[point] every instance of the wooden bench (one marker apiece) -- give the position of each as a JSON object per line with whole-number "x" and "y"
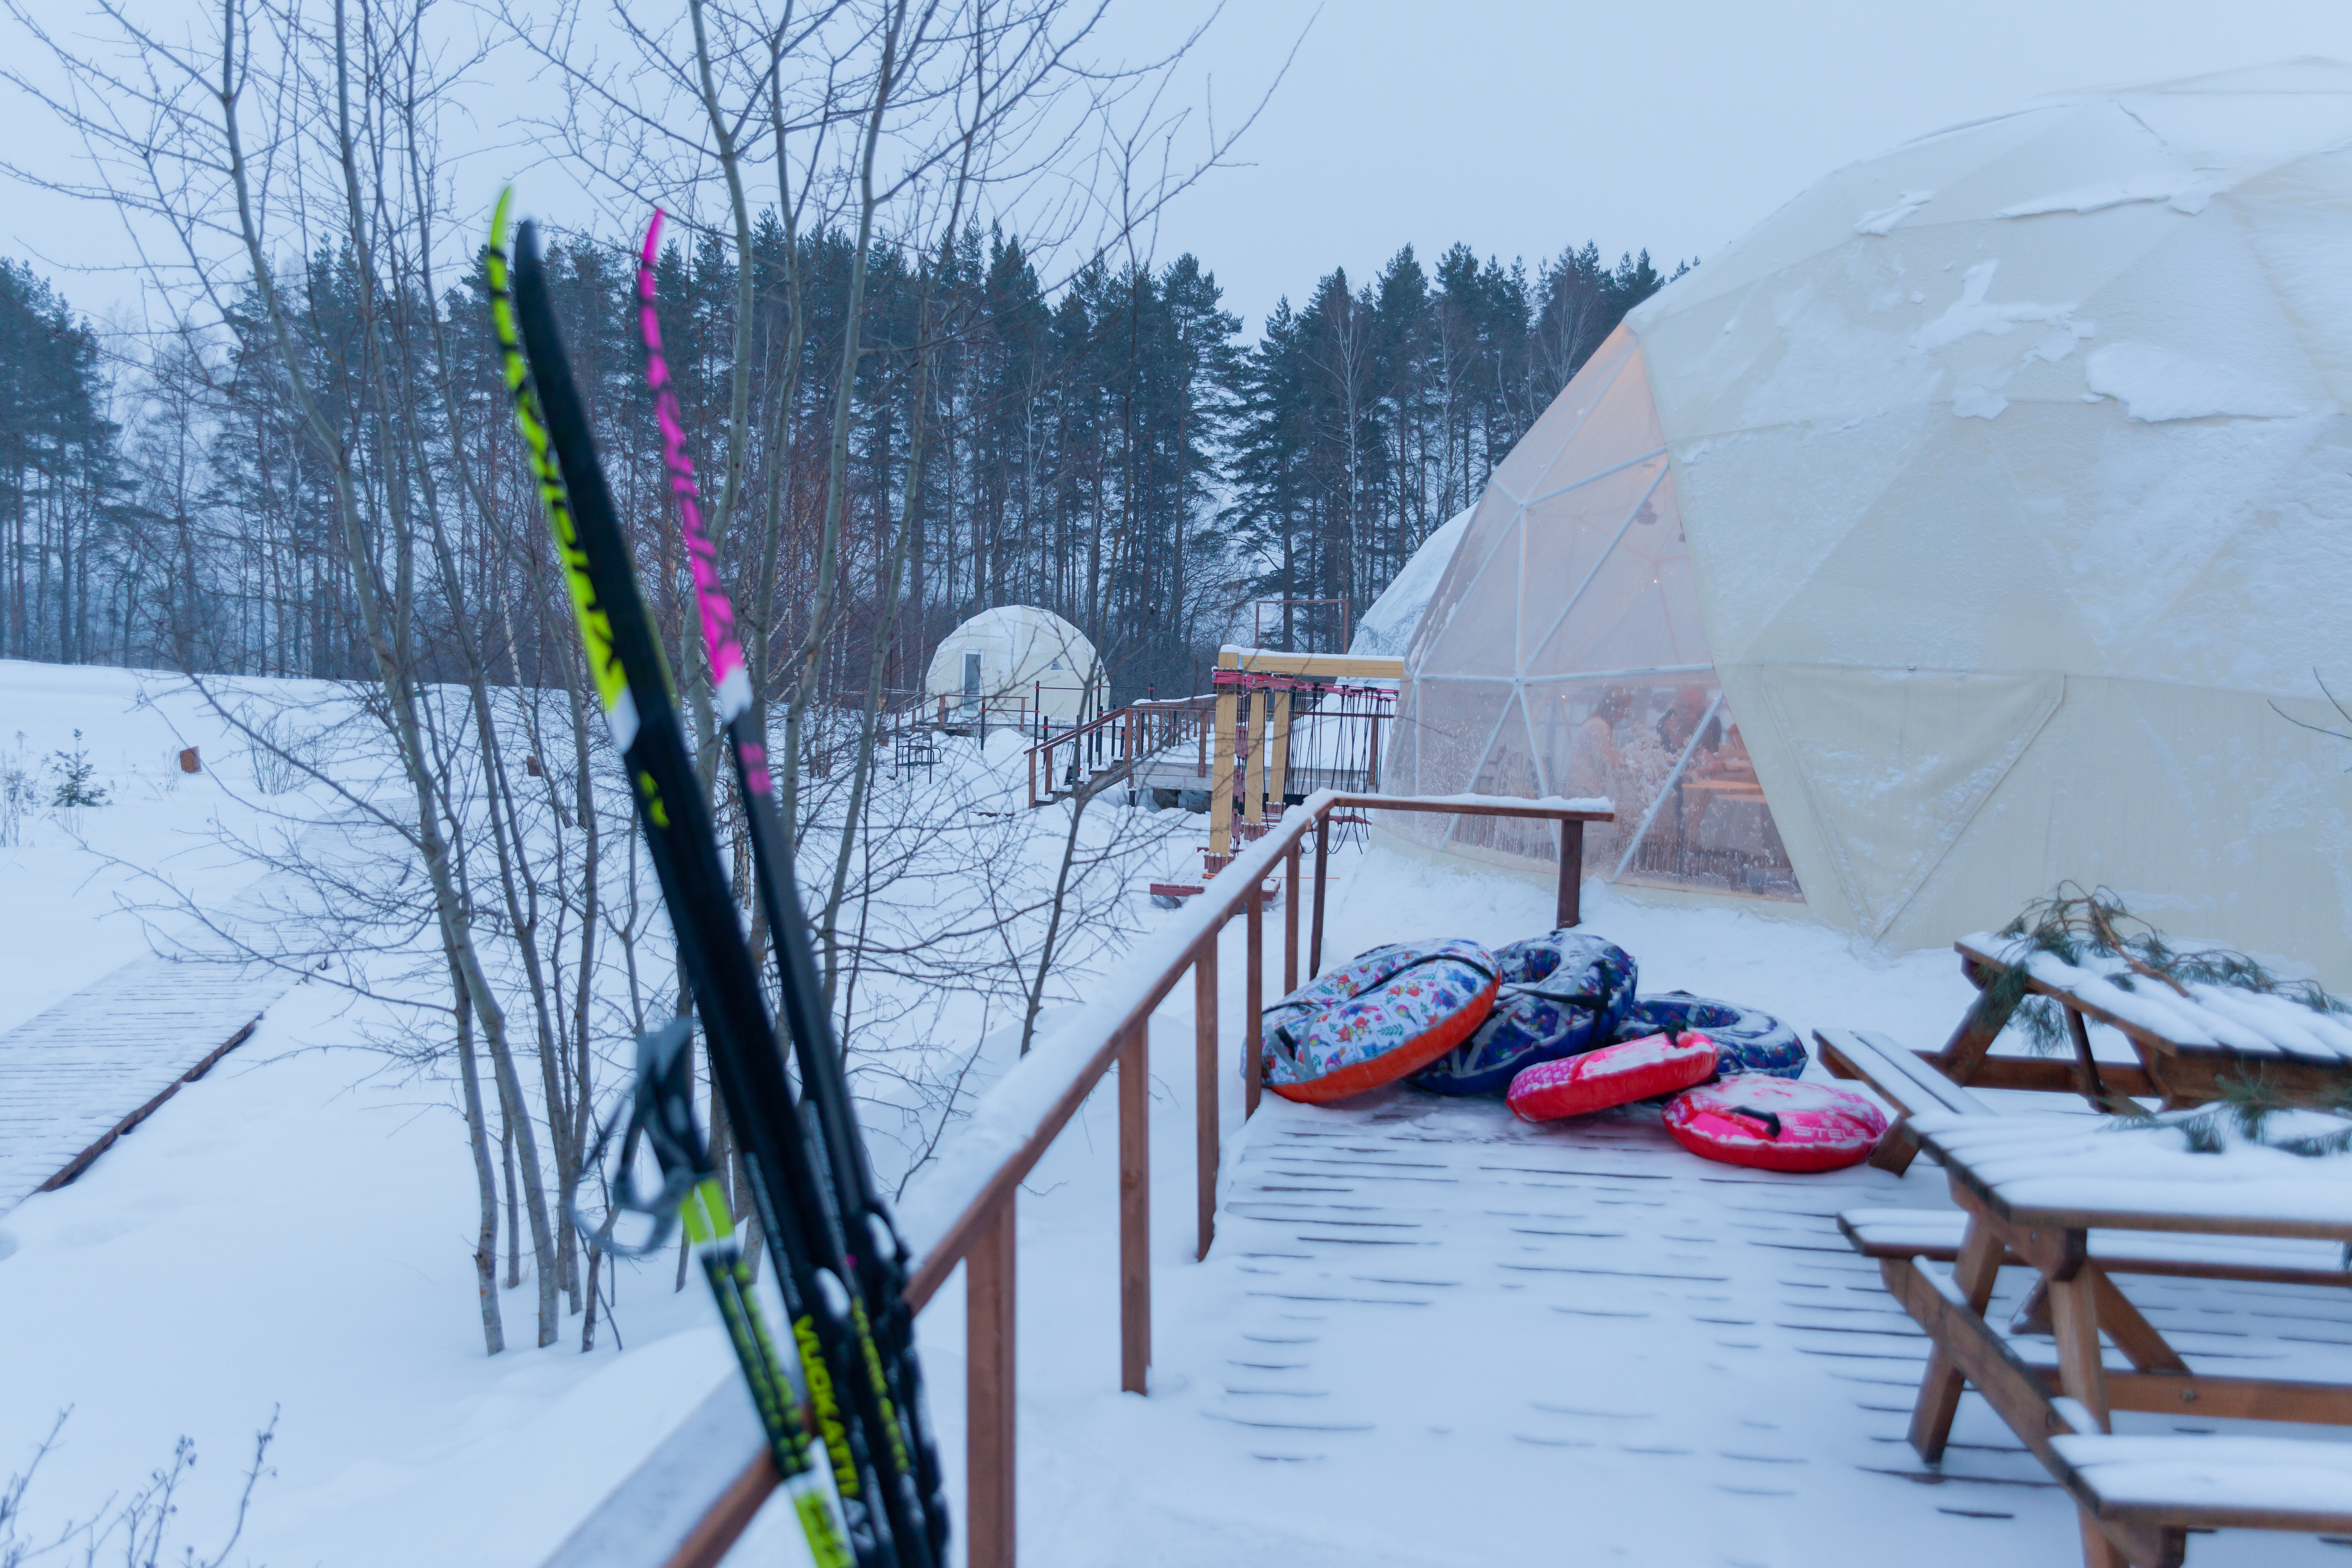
{"x": 2170, "y": 1484}
{"x": 1937, "y": 1234}
{"x": 1904, "y": 1079}
{"x": 2077, "y": 1200}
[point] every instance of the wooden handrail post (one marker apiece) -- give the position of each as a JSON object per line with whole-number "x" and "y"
{"x": 1253, "y": 995}
{"x": 1322, "y": 860}
{"x": 1571, "y": 872}
{"x": 988, "y": 1280}
{"x": 1204, "y": 1084}
{"x": 1290, "y": 919}
{"x": 1253, "y": 771}
{"x": 1226, "y": 781}
{"x": 1135, "y": 1210}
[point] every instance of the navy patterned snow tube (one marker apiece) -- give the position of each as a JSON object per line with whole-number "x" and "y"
{"x": 1744, "y": 1039}
{"x": 1560, "y": 995}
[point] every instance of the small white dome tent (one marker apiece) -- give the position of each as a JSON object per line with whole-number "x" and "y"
{"x": 1977, "y": 521}
{"x": 1013, "y": 662}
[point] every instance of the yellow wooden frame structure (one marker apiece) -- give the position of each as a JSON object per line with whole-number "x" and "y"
{"x": 1227, "y": 766}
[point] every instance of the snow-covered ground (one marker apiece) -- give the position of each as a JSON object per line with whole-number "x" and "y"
{"x": 291, "y": 1236}
{"x": 77, "y": 880}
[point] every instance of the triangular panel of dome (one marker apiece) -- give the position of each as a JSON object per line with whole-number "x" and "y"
{"x": 1639, "y": 610}
{"x": 1896, "y": 763}
{"x": 1479, "y": 636}
{"x": 1529, "y": 469}
{"x": 1443, "y": 739}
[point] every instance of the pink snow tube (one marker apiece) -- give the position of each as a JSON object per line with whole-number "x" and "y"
{"x": 1775, "y": 1124}
{"x": 1613, "y": 1074}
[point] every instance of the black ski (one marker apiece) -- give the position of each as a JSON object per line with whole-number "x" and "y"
{"x": 633, "y": 679}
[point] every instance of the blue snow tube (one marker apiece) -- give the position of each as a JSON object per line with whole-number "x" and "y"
{"x": 1560, "y": 995}
{"x": 1744, "y": 1039}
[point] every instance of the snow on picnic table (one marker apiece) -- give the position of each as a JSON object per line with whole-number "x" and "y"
{"x": 2226, "y": 1016}
{"x": 2138, "y": 1177}
{"x": 2235, "y": 1472}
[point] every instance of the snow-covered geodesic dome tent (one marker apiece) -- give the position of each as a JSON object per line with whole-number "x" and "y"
{"x": 1017, "y": 659}
{"x": 1977, "y": 521}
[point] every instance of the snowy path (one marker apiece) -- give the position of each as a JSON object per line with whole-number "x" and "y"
{"x": 1584, "y": 1334}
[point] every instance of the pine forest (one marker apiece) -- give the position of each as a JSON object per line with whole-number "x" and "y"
{"x": 1111, "y": 449}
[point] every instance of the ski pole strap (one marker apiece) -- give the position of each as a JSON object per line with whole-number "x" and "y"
{"x": 659, "y": 1110}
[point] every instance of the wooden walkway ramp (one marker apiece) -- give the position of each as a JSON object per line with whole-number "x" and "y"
{"x": 78, "y": 1076}
{"x": 82, "y": 1074}
{"x": 1450, "y": 1331}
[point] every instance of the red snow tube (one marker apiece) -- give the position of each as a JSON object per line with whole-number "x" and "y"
{"x": 1613, "y": 1074}
{"x": 1775, "y": 1124}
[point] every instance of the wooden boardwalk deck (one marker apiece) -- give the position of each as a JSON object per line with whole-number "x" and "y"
{"x": 1583, "y": 1323}
{"x": 70, "y": 1076}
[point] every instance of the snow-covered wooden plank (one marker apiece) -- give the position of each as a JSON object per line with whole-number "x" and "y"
{"x": 650, "y": 1516}
{"x": 70, "y": 1076}
{"x": 2056, "y": 1171}
{"x": 1933, "y": 1233}
{"x": 2257, "y": 1483}
{"x": 2209, "y": 1017}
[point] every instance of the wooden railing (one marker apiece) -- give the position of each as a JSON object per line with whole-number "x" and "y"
{"x": 1013, "y": 707}
{"x": 962, "y": 1210}
{"x": 1120, "y": 738}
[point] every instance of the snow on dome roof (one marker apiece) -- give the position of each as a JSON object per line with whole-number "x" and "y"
{"x": 1973, "y": 510}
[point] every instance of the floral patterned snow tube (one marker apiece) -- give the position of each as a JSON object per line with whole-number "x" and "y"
{"x": 1388, "y": 1012}
{"x": 1744, "y": 1039}
{"x": 1560, "y": 995}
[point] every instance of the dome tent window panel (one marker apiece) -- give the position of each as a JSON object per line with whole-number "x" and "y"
{"x": 1493, "y": 516}
{"x": 1544, "y": 456}
{"x": 1571, "y": 535}
{"x": 1479, "y": 638}
{"x": 1451, "y": 736}
{"x": 1639, "y": 617}
{"x": 1623, "y": 428}
{"x": 1510, "y": 766}
{"x": 1691, "y": 812}
{"x": 1637, "y": 610}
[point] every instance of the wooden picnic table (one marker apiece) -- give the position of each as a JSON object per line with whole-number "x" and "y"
{"x": 2191, "y": 1048}
{"x": 2192, "y": 1043}
{"x": 2034, "y": 1187}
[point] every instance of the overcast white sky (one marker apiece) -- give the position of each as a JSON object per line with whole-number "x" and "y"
{"x": 1676, "y": 124}
{"x": 1521, "y": 126}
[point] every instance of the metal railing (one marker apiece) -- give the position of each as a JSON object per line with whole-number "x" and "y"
{"x": 963, "y": 1210}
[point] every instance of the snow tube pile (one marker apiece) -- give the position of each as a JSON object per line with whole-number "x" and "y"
{"x": 1558, "y": 995}
{"x": 1387, "y": 1012}
{"x": 1744, "y": 1039}
{"x": 1772, "y": 1124}
{"x": 1613, "y": 1074}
